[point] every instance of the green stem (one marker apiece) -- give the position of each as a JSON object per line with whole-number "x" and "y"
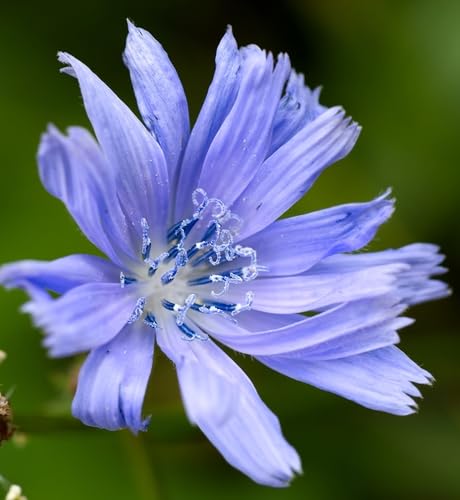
{"x": 144, "y": 477}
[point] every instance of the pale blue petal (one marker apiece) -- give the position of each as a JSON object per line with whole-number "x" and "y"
{"x": 256, "y": 321}
{"x": 83, "y": 318}
{"x": 381, "y": 379}
{"x": 290, "y": 171}
{"x": 243, "y": 141}
{"x": 113, "y": 380}
{"x": 219, "y": 100}
{"x": 59, "y": 275}
{"x": 311, "y": 291}
{"x": 293, "y": 245}
{"x": 348, "y": 329}
{"x": 138, "y": 166}
{"x": 159, "y": 93}
{"x": 74, "y": 169}
{"x": 421, "y": 261}
{"x": 222, "y": 401}
{"x": 298, "y": 106}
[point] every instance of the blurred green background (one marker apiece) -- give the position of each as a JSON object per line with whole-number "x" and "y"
{"x": 395, "y": 66}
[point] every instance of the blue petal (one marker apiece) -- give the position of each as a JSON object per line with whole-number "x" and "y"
{"x": 293, "y": 245}
{"x": 159, "y": 93}
{"x": 290, "y": 171}
{"x": 59, "y": 275}
{"x": 421, "y": 261}
{"x": 243, "y": 141}
{"x": 137, "y": 163}
{"x": 256, "y": 321}
{"x": 219, "y": 100}
{"x": 381, "y": 379}
{"x": 313, "y": 290}
{"x": 73, "y": 169}
{"x": 222, "y": 401}
{"x": 83, "y": 318}
{"x": 348, "y": 329}
{"x": 113, "y": 380}
{"x": 298, "y": 106}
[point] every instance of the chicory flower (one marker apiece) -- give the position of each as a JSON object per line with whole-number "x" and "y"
{"x": 188, "y": 220}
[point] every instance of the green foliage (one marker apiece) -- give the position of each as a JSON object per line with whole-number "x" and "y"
{"x": 395, "y": 66}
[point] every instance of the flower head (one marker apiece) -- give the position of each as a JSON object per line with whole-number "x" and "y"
{"x": 195, "y": 254}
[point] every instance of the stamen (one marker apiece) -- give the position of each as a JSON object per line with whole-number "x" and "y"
{"x": 138, "y": 310}
{"x": 204, "y": 280}
{"x": 150, "y": 320}
{"x": 221, "y": 305}
{"x": 180, "y": 261}
{"x": 168, "y": 305}
{"x": 190, "y": 334}
{"x": 239, "y": 308}
{"x": 221, "y": 226}
{"x": 211, "y": 231}
{"x": 155, "y": 263}
{"x": 222, "y": 244}
{"x": 203, "y": 258}
{"x": 146, "y": 242}
{"x": 212, "y": 309}
{"x": 181, "y": 229}
{"x": 171, "y": 234}
{"x": 219, "y": 210}
{"x": 200, "y": 204}
{"x": 232, "y": 279}
{"x": 126, "y": 280}
{"x": 183, "y": 310}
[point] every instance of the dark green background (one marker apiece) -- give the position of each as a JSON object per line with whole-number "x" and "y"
{"x": 395, "y": 66}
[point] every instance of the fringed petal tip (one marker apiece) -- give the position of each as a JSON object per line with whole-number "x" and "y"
{"x": 82, "y": 319}
{"x": 416, "y": 285}
{"x": 221, "y": 400}
{"x": 68, "y": 60}
{"x": 159, "y": 94}
{"x": 144, "y": 427}
{"x": 384, "y": 379}
{"x": 386, "y": 195}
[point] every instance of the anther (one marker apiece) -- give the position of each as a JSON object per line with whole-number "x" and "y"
{"x": 126, "y": 280}
{"x": 168, "y": 305}
{"x": 221, "y": 305}
{"x": 180, "y": 261}
{"x": 212, "y": 309}
{"x": 190, "y": 334}
{"x": 183, "y": 310}
{"x": 155, "y": 263}
{"x": 206, "y": 257}
{"x": 150, "y": 320}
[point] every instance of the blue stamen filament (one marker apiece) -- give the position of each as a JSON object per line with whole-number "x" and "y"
{"x": 150, "y": 320}
{"x": 215, "y": 247}
{"x": 126, "y": 280}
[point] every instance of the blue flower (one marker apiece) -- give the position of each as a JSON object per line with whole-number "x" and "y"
{"x": 188, "y": 220}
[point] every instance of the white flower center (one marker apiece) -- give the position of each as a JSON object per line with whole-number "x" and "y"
{"x": 171, "y": 281}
